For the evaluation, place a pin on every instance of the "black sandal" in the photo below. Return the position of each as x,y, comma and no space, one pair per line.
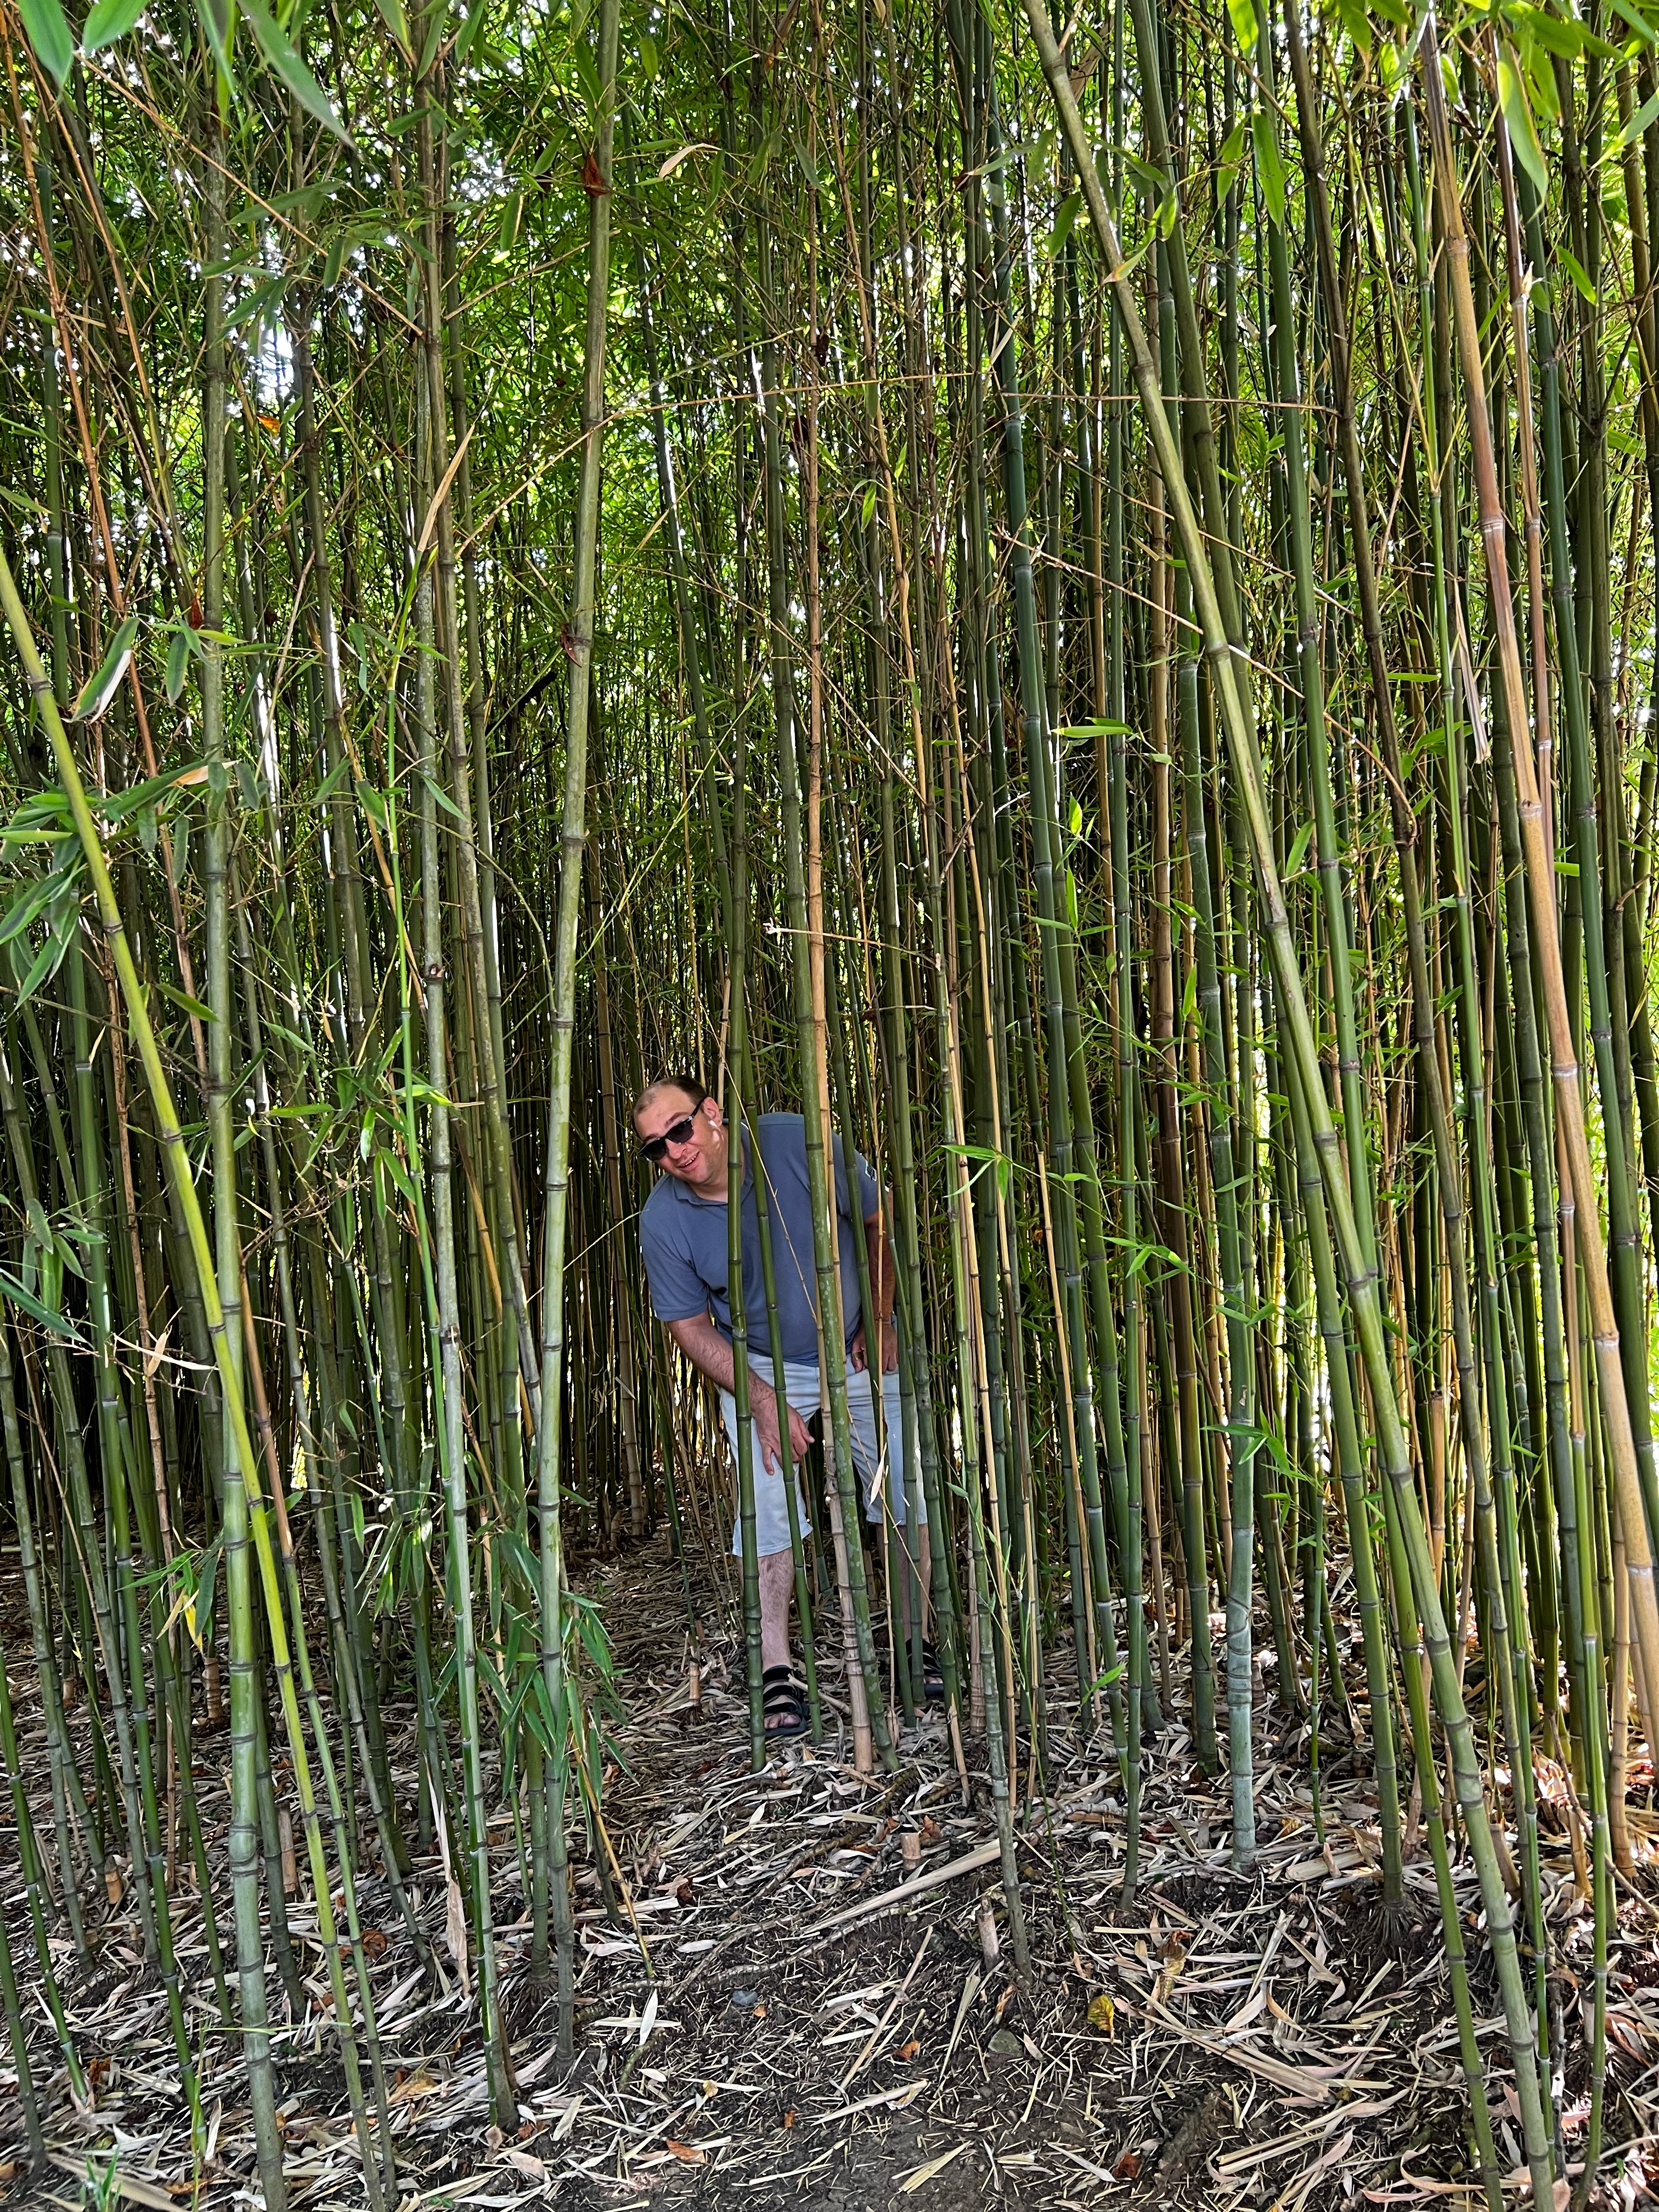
932,1674
783,1705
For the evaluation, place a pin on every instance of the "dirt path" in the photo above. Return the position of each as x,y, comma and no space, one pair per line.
1277,2041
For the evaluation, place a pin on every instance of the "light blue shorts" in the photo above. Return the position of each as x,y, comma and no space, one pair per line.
877,1470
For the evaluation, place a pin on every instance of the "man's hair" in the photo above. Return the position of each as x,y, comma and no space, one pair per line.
693,1086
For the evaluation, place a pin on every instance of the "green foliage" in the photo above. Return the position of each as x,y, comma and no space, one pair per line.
100,688
1269,168
109,21
48,35
285,64
396,676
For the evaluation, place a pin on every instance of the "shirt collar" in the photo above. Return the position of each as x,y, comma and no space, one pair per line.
687,1196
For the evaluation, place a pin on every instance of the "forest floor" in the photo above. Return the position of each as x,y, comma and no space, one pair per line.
1276,2041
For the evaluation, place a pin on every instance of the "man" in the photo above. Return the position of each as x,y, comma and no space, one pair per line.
683,1239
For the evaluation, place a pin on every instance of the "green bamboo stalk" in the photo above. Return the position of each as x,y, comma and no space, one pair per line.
1338,959
449,1389
227,1369
65,1784
861,1653
1058,1004
1363,1297
1539,873
33,2130
580,649
35,1888
235,1501
740,1159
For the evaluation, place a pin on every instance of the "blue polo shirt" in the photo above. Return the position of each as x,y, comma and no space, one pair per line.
683,1238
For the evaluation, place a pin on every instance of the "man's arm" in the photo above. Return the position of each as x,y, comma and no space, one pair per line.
706,1348
708,1351
883,1280
852,1168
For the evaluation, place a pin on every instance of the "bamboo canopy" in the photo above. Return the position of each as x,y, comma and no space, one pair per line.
1075,599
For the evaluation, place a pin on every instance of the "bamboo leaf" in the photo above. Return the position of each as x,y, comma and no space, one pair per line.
178,661
1517,117
396,21
207,1577
115,807
264,303
1392,64
26,1302
184,1001
25,909
589,77
1357,23
1577,271
1269,168
442,797
809,168
47,961
109,21
359,646
215,17
1065,216
442,492
470,30
1538,75
1245,29
329,784
674,161
1638,23
764,158
434,35
49,38
280,58
1557,34
1233,158
97,692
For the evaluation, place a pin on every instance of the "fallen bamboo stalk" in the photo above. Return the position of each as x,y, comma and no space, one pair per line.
1299,2080
935,1878
969,1863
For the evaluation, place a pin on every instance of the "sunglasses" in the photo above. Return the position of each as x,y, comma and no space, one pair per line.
678,1133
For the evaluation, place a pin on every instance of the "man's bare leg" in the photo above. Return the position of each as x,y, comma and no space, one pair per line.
777,1583
924,1567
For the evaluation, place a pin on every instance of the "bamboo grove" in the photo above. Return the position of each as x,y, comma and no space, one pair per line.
1076,595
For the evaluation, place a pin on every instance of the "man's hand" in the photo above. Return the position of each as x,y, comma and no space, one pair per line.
706,1348
763,1412
859,1351
883,1282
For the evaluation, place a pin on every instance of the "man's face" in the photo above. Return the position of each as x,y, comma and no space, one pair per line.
692,1135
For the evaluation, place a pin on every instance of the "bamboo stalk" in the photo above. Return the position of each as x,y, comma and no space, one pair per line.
580,650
